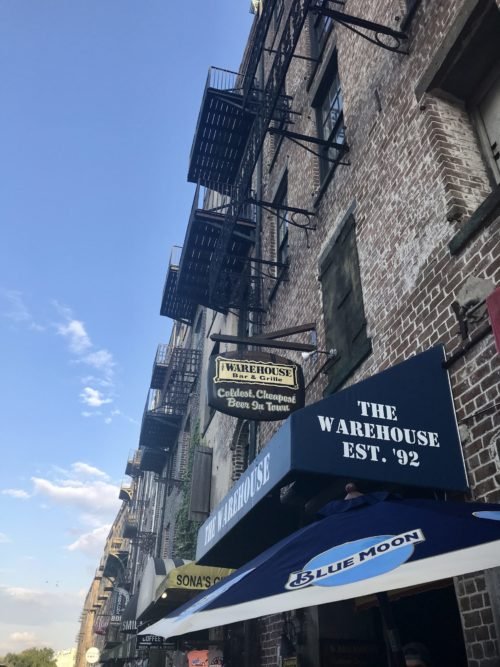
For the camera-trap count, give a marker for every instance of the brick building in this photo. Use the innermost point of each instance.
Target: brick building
(349, 182)
(373, 173)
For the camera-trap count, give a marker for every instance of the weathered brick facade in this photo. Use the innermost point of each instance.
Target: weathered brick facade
(421, 191)
(416, 174)
(424, 200)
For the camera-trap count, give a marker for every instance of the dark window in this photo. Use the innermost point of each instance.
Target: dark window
(281, 202)
(485, 110)
(343, 309)
(322, 28)
(330, 120)
(280, 122)
(470, 73)
(199, 507)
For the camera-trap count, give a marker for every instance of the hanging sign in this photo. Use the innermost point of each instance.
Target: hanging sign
(198, 658)
(153, 641)
(92, 655)
(255, 385)
(396, 427)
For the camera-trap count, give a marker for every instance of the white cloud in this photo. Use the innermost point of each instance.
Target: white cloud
(74, 331)
(91, 543)
(101, 359)
(4, 539)
(23, 637)
(85, 352)
(94, 398)
(23, 608)
(16, 493)
(95, 497)
(92, 379)
(87, 470)
(17, 310)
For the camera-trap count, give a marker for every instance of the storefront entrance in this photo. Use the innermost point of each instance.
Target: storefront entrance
(351, 632)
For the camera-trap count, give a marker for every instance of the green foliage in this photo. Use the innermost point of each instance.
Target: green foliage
(31, 657)
(186, 530)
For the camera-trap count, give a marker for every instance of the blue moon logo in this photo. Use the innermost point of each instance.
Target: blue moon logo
(356, 561)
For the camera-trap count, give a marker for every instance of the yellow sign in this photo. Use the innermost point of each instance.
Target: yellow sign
(192, 577)
(256, 372)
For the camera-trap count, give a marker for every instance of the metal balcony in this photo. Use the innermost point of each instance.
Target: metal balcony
(221, 131)
(173, 304)
(165, 408)
(160, 366)
(116, 558)
(131, 525)
(132, 467)
(125, 493)
(201, 242)
(160, 423)
(153, 460)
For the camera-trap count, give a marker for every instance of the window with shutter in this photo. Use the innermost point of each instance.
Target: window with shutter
(343, 309)
(201, 483)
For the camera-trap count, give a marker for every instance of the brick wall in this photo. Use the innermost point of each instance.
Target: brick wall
(416, 175)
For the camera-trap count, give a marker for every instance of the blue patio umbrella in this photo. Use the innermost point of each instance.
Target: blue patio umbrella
(367, 545)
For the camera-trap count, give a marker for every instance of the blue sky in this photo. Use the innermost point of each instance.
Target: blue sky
(99, 104)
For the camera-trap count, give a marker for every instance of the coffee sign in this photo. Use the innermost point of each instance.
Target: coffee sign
(255, 385)
(153, 641)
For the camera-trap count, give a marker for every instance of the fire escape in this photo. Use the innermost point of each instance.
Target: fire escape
(174, 372)
(217, 267)
(116, 558)
(204, 230)
(133, 462)
(125, 492)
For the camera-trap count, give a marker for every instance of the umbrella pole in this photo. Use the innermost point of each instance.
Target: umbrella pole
(391, 631)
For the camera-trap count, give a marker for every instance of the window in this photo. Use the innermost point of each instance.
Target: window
(240, 448)
(199, 505)
(281, 202)
(485, 110)
(343, 309)
(330, 120)
(469, 75)
(321, 30)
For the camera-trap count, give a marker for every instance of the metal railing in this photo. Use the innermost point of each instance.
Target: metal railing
(216, 199)
(226, 80)
(175, 257)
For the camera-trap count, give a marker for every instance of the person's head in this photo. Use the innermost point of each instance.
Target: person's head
(416, 655)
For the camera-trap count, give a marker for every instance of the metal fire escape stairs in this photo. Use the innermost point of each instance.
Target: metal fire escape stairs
(258, 110)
